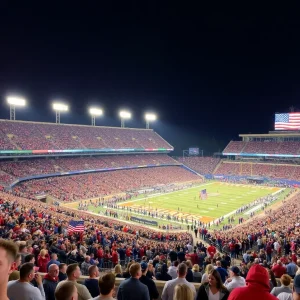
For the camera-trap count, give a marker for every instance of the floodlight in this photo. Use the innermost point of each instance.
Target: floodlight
(60, 106)
(150, 117)
(16, 101)
(96, 111)
(13, 102)
(125, 114)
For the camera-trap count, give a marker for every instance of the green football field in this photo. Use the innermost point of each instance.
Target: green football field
(222, 198)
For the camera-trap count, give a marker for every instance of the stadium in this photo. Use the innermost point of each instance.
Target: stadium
(84, 190)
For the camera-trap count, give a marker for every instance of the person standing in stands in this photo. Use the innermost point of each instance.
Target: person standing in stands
(92, 283)
(213, 289)
(153, 292)
(22, 288)
(73, 273)
(296, 291)
(132, 288)
(66, 291)
(50, 281)
(168, 291)
(8, 254)
(235, 279)
(257, 286)
(62, 272)
(106, 286)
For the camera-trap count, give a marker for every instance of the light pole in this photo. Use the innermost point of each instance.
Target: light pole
(149, 117)
(58, 108)
(13, 102)
(124, 115)
(95, 112)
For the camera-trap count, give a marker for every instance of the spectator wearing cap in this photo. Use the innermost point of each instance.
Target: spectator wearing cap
(132, 288)
(285, 286)
(168, 291)
(153, 293)
(235, 279)
(257, 286)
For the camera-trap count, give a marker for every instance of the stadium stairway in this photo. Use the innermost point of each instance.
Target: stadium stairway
(217, 166)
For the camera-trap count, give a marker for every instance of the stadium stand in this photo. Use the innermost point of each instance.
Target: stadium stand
(202, 165)
(43, 136)
(69, 188)
(11, 170)
(269, 170)
(263, 147)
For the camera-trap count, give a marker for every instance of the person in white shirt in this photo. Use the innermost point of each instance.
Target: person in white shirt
(235, 279)
(168, 291)
(22, 288)
(173, 270)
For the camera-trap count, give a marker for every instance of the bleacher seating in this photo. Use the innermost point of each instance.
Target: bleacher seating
(46, 136)
(202, 165)
(11, 170)
(69, 188)
(263, 147)
(270, 170)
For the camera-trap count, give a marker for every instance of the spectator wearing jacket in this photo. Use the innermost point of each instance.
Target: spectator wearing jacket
(257, 286)
(213, 287)
(50, 282)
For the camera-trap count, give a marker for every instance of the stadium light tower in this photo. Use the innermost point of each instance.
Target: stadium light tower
(58, 108)
(13, 102)
(95, 112)
(124, 115)
(149, 118)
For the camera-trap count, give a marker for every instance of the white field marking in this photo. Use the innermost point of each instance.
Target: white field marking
(223, 203)
(204, 211)
(211, 208)
(160, 194)
(239, 197)
(255, 208)
(278, 192)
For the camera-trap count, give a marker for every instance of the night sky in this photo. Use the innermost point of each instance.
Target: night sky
(209, 74)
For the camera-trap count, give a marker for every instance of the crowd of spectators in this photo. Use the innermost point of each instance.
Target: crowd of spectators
(263, 147)
(202, 165)
(77, 187)
(275, 171)
(10, 170)
(45, 136)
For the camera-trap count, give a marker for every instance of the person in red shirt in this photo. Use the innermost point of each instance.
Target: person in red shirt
(211, 250)
(278, 269)
(100, 255)
(194, 258)
(114, 257)
(43, 260)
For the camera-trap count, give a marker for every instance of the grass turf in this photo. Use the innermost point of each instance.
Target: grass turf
(223, 198)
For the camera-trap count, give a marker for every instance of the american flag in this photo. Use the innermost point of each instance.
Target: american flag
(203, 194)
(76, 226)
(290, 121)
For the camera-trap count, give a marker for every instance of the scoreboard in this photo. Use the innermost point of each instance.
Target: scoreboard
(193, 151)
